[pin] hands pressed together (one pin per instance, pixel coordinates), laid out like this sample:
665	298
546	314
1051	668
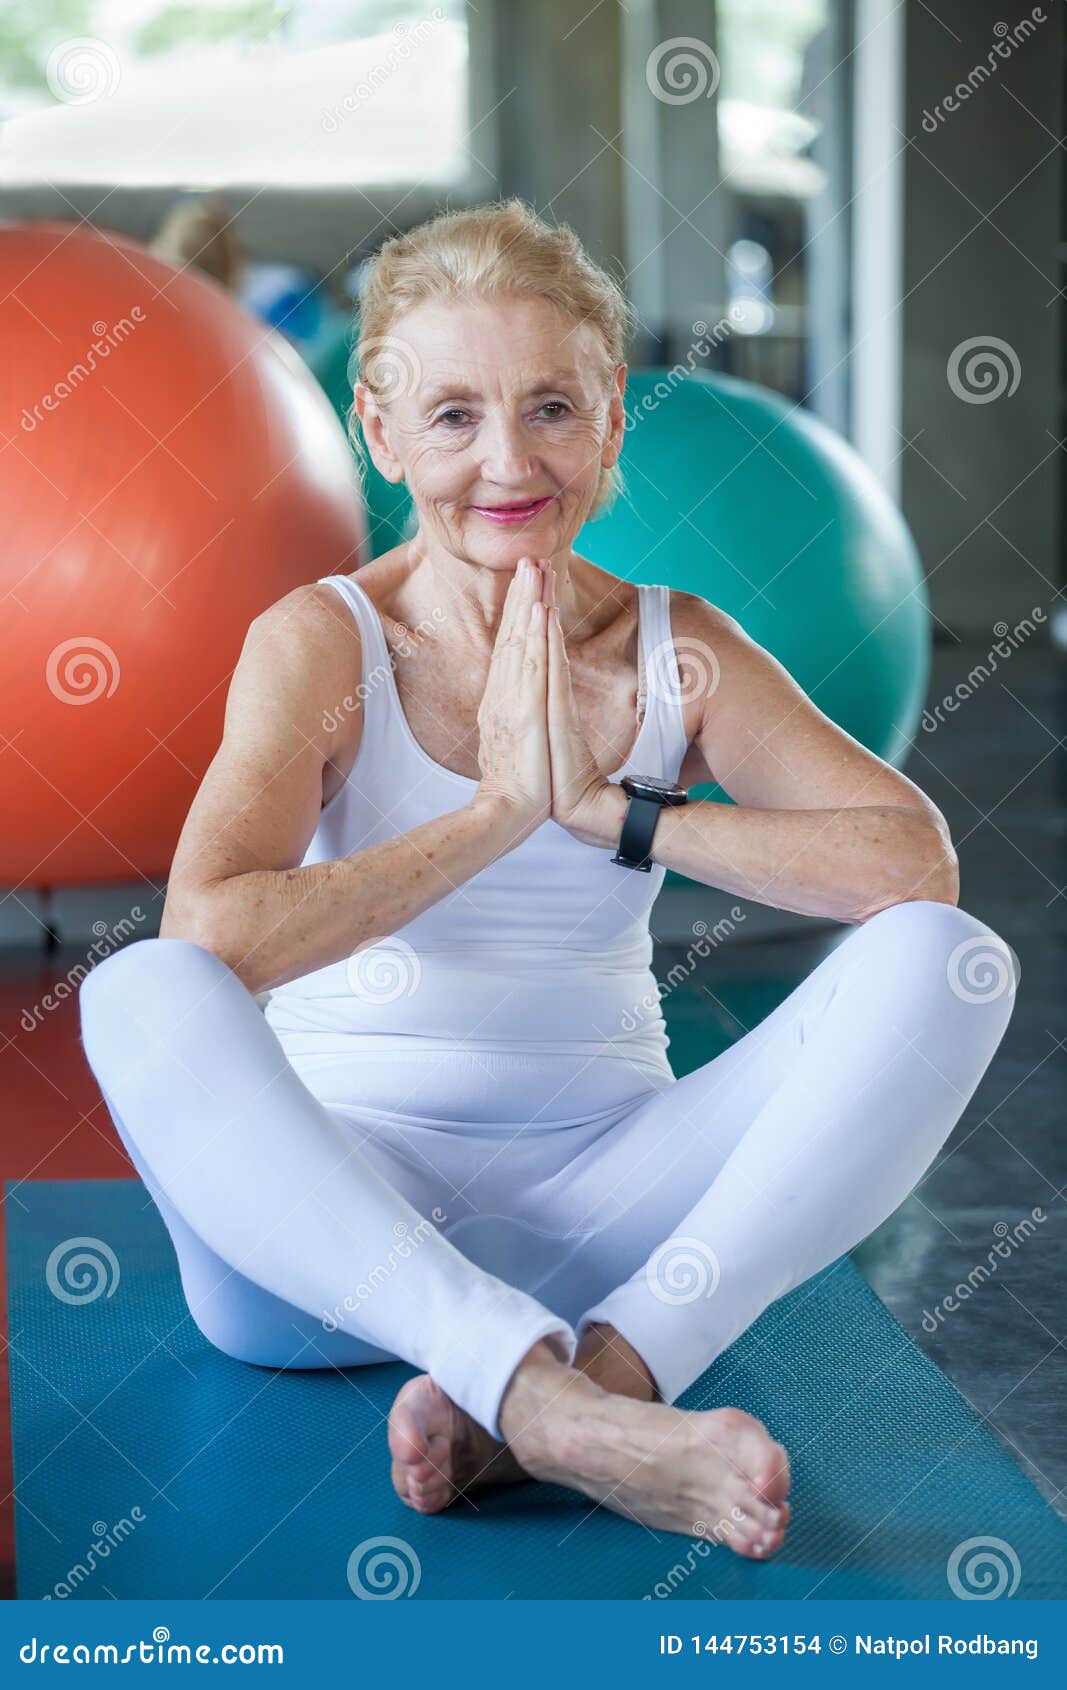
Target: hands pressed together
533	750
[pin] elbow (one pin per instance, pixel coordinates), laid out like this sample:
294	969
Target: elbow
934	878
199	926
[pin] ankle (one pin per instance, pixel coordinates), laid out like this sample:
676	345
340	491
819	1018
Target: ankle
544	1396
605	1356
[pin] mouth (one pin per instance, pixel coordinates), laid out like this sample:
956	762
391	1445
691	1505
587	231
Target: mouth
512	513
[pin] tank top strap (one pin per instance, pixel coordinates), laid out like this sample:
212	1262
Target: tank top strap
371	632
375	693
661	683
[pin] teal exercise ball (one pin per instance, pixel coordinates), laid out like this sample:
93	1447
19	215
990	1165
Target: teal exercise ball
331	359
734	494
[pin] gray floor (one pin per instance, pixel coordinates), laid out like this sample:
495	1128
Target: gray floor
996	769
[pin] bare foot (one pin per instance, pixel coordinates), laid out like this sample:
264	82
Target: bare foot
716	1474
439	1452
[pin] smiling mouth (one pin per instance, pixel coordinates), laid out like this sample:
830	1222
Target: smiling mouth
529	507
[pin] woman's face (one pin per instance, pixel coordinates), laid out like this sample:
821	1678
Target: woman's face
500	420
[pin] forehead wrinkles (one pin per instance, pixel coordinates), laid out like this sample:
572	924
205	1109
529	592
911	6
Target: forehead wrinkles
491	378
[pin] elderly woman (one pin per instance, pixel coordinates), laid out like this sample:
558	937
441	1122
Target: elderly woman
447	793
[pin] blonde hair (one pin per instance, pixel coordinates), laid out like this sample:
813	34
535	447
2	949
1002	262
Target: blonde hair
484	252
201	233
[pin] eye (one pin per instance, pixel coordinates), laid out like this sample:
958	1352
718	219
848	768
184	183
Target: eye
560	404
453	411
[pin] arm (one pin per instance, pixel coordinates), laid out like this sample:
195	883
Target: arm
820	825
236	886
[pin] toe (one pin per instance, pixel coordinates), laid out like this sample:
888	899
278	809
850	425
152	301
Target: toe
771	1476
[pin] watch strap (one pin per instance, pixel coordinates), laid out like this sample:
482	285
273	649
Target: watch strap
638	830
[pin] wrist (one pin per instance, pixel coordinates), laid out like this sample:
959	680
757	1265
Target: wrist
598	819
502	815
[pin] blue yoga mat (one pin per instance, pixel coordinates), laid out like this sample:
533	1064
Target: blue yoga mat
147	1464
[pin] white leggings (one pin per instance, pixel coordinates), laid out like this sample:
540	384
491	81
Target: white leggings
450	1210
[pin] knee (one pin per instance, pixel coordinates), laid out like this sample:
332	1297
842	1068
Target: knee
941	944
151	983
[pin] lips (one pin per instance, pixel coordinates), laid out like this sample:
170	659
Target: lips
512	513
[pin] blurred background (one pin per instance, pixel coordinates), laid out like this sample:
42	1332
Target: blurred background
841	224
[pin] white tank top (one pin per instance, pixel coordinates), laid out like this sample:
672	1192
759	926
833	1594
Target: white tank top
547	949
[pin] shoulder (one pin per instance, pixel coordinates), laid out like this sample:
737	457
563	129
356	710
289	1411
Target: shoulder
301	657
311	625
693	617
715	655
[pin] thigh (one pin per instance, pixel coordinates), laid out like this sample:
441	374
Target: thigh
237	1316
627	1190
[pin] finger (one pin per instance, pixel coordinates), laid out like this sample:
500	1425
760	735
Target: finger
511	634
558	646
535	655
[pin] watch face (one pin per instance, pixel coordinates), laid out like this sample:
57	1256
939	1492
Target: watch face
650	786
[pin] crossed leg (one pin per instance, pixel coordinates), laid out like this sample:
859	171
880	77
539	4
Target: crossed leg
795	1144
276	1215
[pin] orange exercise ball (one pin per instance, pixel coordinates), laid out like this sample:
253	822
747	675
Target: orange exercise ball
169	468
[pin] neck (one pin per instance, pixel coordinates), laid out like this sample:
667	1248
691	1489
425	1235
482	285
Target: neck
473	595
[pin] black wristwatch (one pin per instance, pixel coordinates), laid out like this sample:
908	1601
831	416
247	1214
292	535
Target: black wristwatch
647	797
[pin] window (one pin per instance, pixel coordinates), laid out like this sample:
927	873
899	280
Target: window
215	92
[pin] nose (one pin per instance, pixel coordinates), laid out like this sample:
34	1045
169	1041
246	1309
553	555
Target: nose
505	450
